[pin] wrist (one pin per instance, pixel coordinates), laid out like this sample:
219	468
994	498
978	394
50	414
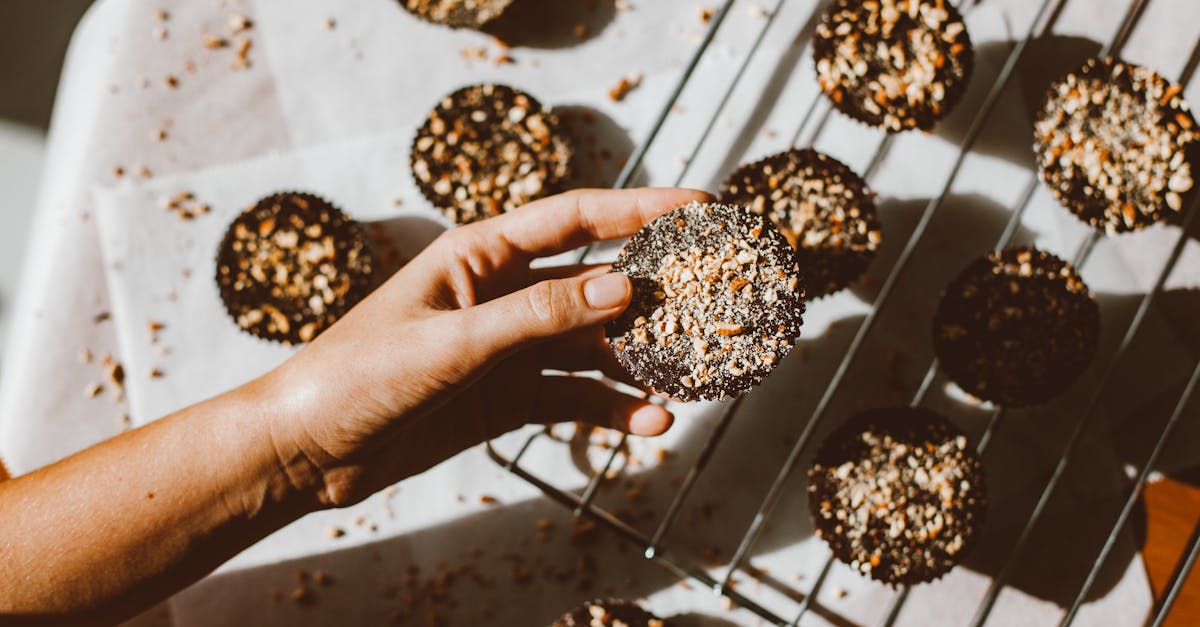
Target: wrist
283	477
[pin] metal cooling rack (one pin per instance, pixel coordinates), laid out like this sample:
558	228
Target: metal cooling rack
652	545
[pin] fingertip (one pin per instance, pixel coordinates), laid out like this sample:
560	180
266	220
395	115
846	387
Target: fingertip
650	420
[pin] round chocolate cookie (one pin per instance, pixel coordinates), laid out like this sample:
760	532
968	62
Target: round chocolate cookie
487	149
457	13
717	302
898	495
609	612
291	265
895	64
1115	143
1016	328
821	206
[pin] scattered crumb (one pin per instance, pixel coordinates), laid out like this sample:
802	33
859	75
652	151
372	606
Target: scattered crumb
118	171
706	14
160	33
330	23
144	172
93	390
155	373
839	592
335	532
322	578
115	372
242	60
171	81
624	86
159	135
85	355
161	15
239	23
581	30
488	499
212	42
301	594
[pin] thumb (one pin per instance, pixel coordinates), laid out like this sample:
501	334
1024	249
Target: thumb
548	309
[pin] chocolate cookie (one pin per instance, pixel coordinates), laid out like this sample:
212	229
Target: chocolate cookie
895	64
1115	143
898	495
1016	328
457	13
717	302
821	206
291	265
487	149
609	613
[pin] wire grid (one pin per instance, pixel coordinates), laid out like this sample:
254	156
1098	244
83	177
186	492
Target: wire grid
583	505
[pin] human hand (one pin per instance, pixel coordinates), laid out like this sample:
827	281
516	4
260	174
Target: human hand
452	349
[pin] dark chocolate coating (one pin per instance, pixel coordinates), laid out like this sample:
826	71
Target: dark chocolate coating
1016	328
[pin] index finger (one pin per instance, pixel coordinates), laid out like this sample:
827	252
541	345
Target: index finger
567	221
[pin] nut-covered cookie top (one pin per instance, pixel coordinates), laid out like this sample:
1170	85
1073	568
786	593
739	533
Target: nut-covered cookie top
1115	142
895	64
898	494
291	265
717	302
488	149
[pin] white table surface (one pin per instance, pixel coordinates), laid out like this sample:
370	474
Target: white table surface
112	98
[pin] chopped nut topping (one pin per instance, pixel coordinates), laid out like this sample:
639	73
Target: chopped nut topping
488	149
897	64
457	13
897	494
291	265
713	308
1115	144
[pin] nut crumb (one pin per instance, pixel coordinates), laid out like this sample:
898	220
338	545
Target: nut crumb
624	86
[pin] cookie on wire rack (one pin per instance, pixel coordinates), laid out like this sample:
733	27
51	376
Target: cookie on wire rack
898	495
1116	143
717	302
292	264
821	206
610	613
457	13
894	64
487	149
1016	327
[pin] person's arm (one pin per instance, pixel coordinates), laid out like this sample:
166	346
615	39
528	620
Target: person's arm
449	352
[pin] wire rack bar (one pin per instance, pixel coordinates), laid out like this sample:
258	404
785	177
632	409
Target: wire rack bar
1179	577
681	569
973	132
639	153
1134	494
583	505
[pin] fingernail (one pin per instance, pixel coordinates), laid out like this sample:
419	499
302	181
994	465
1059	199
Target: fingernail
607	291
650	420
